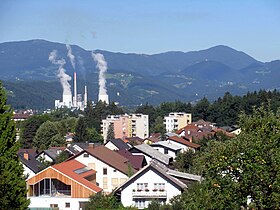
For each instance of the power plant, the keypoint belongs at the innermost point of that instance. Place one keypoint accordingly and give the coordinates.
(75, 102)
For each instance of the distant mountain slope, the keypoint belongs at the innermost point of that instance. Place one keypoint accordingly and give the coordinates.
(132, 79)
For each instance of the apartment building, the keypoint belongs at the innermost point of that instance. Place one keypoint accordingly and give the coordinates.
(177, 120)
(126, 126)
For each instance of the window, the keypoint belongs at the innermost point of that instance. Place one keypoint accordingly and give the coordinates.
(86, 155)
(165, 151)
(142, 186)
(159, 186)
(54, 205)
(104, 171)
(105, 183)
(115, 182)
(91, 165)
(140, 203)
(115, 170)
(67, 205)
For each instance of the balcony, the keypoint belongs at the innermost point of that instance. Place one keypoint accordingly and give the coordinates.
(149, 194)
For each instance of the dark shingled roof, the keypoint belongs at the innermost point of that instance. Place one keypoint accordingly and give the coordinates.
(120, 144)
(33, 164)
(137, 161)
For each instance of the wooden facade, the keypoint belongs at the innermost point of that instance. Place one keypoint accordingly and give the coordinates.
(78, 190)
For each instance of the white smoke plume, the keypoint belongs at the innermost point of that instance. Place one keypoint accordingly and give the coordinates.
(63, 77)
(71, 56)
(102, 66)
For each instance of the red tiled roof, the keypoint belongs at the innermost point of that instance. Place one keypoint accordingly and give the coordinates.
(183, 141)
(68, 168)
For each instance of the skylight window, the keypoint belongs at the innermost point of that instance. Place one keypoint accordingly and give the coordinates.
(82, 170)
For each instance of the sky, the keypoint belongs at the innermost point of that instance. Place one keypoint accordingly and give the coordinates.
(147, 26)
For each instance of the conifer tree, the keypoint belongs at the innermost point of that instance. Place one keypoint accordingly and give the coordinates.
(12, 183)
(110, 132)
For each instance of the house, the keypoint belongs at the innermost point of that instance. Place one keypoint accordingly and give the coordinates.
(167, 147)
(31, 166)
(77, 147)
(112, 168)
(50, 154)
(194, 132)
(67, 185)
(155, 137)
(136, 161)
(183, 143)
(133, 140)
(151, 182)
(116, 144)
(150, 153)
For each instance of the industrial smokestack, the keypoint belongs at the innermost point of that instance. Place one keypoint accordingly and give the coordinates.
(75, 90)
(85, 97)
(63, 77)
(102, 66)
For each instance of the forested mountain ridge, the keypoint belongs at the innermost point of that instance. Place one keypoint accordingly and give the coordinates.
(132, 78)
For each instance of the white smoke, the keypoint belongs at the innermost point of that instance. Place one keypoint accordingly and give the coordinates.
(102, 66)
(63, 77)
(71, 56)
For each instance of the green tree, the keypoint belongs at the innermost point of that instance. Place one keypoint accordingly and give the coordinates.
(29, 128)
(12, 183)
(158, 126)
(94, 136)
(101, 201)
(62, 157)
(47, 135)
(184, 161)
(243, 169)
(81, 133)
(110, 132)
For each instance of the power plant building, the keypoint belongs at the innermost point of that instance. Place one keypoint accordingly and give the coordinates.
(76, 102)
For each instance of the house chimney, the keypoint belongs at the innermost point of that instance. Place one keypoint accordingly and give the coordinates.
(191, 139)
(25, 156)
(90, 145)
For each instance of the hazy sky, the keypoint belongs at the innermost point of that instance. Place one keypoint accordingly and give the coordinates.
(147, 26)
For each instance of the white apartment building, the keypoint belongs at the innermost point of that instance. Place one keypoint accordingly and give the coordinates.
(126, 125)
(177, 120)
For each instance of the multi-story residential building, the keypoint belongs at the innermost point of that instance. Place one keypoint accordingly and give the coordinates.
(126, 125)
(120, 124)
(138, 125)
(177, 120)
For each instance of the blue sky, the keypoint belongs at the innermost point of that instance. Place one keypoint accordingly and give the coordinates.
(147, 26)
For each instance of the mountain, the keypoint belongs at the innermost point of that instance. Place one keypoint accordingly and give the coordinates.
(132, 78)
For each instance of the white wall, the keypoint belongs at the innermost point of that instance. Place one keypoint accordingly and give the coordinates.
(27, 172)
(149, 177)
(171, 153)
(44, 157)
(184, 147)
(45, 202)
(99, 165)
(111, 146)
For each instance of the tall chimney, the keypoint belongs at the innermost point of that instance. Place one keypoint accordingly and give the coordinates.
(25, 155)
(85, 97)
(75, 90)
